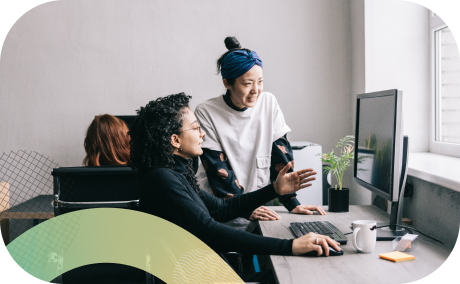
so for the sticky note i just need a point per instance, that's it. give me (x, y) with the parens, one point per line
(396, 256)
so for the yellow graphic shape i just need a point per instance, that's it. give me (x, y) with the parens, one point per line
(110, 235)
(199, 266)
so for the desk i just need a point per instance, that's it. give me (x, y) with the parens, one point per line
(352, 267)
(36, 208)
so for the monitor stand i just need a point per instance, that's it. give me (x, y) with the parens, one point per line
(391, 232)
(387, 234)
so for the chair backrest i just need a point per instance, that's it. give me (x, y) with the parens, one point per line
(94, 187)
(77, 188)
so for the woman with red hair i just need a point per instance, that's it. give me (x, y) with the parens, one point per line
(106, 142)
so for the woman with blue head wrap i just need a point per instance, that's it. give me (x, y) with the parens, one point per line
(246, 65)
(246, 143)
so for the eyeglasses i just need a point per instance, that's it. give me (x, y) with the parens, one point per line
(196, 128)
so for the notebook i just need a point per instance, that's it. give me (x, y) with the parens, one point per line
(397, 256)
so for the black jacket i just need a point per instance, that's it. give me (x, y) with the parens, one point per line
(167, 194)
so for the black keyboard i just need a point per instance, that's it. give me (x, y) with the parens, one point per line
(319, 227)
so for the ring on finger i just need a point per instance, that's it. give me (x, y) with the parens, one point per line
(316, 240)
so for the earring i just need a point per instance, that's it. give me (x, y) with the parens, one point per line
(180, 149)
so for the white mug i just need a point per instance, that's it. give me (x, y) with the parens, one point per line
(364, 238)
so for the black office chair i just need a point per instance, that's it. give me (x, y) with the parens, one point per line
(77, 188)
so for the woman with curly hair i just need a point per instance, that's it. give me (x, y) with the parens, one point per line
(106, 142)
(164, 136)
(246, 144)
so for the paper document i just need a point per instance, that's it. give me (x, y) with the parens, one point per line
(405, 242)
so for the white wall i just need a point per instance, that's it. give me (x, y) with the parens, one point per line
(64, 62)
(396, 57)
(358, 194)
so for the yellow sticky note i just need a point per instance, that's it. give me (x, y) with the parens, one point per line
(397, 256)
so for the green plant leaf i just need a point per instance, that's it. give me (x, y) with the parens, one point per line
(338, 164)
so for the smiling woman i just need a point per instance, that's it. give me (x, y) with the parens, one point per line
(188, 143)
(164, 136)
(246, 144)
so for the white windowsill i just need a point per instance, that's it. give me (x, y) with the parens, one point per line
(438, 169)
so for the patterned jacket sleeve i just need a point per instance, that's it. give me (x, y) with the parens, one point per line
(220, 175)
(281, 156)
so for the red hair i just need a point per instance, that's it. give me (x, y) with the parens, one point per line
(106, 142)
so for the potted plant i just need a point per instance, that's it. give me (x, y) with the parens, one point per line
(339, 197)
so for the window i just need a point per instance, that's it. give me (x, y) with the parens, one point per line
(445, 134)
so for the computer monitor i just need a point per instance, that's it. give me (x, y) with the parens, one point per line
(380, 162)
(128, 119)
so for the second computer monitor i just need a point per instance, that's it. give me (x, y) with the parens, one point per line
(128, 119)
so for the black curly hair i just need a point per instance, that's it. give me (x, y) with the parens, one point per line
(151, 135)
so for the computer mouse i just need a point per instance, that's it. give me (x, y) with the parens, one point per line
(332, 252)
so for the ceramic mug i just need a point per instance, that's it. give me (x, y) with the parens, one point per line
(364, 238)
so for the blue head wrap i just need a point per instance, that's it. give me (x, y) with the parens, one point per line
(238, 62)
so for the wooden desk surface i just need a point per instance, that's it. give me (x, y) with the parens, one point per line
(36, 208)
(39, 207)
(352, 267)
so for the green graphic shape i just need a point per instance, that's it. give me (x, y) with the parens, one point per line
(110, 235)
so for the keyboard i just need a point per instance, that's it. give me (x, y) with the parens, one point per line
(319, 227)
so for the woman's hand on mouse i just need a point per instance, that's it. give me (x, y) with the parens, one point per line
(263, 213)
(314, 242)
(291, 182)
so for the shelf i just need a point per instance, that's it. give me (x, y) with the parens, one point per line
(438, 169)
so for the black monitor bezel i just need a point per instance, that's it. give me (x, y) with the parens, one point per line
(393, 195)
(126, 118)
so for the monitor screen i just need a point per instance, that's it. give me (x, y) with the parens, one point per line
(128, 119)
(375, 142)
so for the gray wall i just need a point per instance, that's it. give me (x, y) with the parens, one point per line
(64, 62)
(434, 210)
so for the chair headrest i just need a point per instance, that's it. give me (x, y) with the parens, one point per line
(118, 169)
